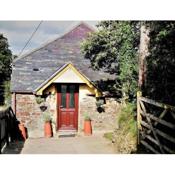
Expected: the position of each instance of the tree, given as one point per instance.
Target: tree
(5, 67)
(5, 59)
(160, 81)
(113, 48)
(143, 53)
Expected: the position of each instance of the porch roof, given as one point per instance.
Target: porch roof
(60, 72)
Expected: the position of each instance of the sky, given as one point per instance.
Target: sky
(18, 32)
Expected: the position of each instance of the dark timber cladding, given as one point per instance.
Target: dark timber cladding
(31, 70)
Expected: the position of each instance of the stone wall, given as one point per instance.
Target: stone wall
(30, 113)
(101, 121)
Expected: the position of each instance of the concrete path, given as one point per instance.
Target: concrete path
(68, 145)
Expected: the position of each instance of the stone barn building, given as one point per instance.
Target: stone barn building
(56, 78)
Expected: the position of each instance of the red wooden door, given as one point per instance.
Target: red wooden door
(67, 107)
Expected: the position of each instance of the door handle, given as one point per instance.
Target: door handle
(61, 106)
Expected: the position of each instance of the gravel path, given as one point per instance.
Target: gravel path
(68, 145)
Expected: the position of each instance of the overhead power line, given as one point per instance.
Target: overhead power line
(30, 38)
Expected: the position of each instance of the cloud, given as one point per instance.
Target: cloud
(18, 32)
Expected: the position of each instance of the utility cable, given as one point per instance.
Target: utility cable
(30, 38)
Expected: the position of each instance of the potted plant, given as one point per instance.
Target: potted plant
(39, 99)
(87, 125)
(47, 124)
(22, 130)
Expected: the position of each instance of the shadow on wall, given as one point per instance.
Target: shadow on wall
(108, 87)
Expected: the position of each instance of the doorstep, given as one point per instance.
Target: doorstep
(66, 133)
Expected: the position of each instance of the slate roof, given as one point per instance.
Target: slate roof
(31, 70)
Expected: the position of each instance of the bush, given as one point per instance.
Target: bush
(87, 117)
(126, 136)
(126, 118)
(47, 117)
(39, 99)
(7, 93)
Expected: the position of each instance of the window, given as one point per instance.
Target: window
(63, 95)
(72, 96)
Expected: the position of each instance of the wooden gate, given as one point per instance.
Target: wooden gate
(156, 125)
(8, 127)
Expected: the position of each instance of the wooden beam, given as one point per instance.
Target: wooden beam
(142, 106)
(149, 147)
(165, 136)
(172, 114)
(162, 134)
(158, 104)
(139, 119)
(161, 116)
(158, 120)
(164, 147)
(155, 134)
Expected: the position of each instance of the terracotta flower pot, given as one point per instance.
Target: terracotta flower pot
(47, 129)
(23, 131)
(87, 127)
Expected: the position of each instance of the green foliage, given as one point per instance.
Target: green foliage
(127, 119)
(87, 117)
(7, 93)
(99, 103)
(47, 116)
(39, 99)
(109, 135)
(160, 82)
(5, 58)
(113, 48)
(5, 70)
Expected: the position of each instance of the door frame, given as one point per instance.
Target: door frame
(58, 92)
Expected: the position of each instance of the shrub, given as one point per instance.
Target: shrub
(39, 100)
(47, 117)
(126, 118)
(126, 136)
(87, 117)
(7, 93)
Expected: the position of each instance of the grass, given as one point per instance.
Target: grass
(126, 119)
(108, 135)
(126, 135)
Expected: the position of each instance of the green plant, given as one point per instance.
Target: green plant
(125, 136)
(47, 117)
(87, 117)
(99, 103)
(39, 100)
(113, 48)
(108, 135)
(126, 119)
(7, 94)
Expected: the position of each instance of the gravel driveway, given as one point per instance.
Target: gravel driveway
(68, 145)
